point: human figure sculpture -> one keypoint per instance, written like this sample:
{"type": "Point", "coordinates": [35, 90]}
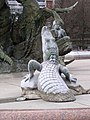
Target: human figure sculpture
{"type": "Point", "coordinates": [62, 40]}
{"type": "Point", "coordinates": [58, 29]}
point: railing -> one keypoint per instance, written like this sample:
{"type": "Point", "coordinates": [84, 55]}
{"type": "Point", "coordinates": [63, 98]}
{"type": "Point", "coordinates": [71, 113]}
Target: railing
{"type": "Point", "coordinates": [81, 44]}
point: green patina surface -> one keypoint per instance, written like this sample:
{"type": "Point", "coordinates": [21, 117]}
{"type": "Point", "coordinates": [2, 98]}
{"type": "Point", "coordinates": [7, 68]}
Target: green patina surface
{"type": "Point", "coordinates": [24, 34]}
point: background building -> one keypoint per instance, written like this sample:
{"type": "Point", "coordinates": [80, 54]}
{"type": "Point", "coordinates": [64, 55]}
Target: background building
{"type": "Point", "coordinates": [15, 7]}
{"type": "Point", "coordinates": [46, 3]}
{"type": "Point", "coordinates": [42, 3]}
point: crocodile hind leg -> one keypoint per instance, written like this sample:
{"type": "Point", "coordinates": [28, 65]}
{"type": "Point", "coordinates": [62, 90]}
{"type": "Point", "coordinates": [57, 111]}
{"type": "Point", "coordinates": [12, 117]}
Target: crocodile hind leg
{"type": "Point", "coordinates": [29, 82]}
{"type": "Point", "coordinates": [79, 90]}
{"type": "Point", "coordinates": [76, 88]}
{"type": "Point", "coordinates": [32, 66]}
{"type": "Point", "coordinates": [31, 79]}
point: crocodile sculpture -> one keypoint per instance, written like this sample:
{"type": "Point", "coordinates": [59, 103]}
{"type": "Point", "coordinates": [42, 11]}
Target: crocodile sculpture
{"type": "Point", "coordinates": [49, 80]}
{"type": "Point", "coordinates": [48, 83]}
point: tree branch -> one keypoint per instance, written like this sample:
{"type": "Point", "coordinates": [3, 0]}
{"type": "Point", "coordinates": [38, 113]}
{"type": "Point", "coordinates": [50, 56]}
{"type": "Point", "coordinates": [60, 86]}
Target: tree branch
{"type": "Point", "coordinates": [63, 10]}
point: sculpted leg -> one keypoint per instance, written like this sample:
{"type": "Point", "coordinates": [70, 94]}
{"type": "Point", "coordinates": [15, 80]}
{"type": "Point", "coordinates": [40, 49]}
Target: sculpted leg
{"type": "Point", "coordinates": [67, 74]}
{"type": "Point", "coordinates": [31, 79]}
{"type": "Point", "coordinates": [32, 66]}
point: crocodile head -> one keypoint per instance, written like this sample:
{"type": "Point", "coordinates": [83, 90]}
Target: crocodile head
{"type": "Point", "coordinates": [49, 45]}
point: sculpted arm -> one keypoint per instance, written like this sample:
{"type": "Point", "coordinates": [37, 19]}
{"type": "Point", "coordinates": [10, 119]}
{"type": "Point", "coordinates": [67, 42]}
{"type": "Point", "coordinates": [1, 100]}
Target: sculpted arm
{"type": "Point", "coordinates": [62, 10]}
{"type": "Point", "coordinates": [5, 57]}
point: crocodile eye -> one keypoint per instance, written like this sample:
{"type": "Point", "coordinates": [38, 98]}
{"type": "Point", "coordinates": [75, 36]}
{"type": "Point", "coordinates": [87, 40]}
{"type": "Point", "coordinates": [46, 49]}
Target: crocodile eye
{"type": "Point", "coordinates": [47, 40]}
{"type": "Point", "coordinates": [48, 48]}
